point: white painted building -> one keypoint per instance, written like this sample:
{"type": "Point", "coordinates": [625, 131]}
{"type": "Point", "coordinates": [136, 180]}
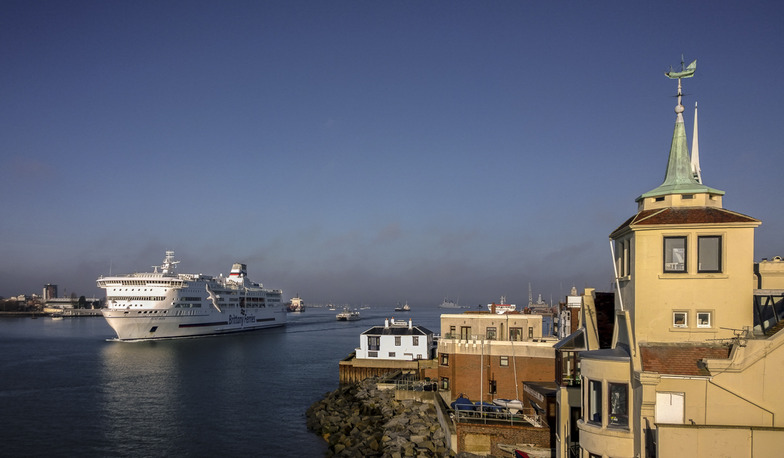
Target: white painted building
{"type": "Point", "coordinates": [396, 340]}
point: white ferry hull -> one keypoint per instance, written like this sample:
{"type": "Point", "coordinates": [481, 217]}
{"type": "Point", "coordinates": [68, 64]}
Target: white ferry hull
{"type": "Point", "coordinates": [129, 327]}
{"type": "Point", "coordinates": [167, 305]}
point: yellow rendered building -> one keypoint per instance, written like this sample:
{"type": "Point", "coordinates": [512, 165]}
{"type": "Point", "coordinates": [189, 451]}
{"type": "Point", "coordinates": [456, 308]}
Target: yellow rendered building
{"type": "Point", "coordinates": [697, 359]}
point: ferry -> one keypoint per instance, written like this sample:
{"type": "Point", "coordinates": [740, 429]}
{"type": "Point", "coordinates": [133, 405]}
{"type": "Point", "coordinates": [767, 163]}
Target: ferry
{"type": "Point", "coordinates": [347, 315]}
{"type": "Point", "coordinates": [164, 304]}
{"type": "Point", "coordinates": [501, 308]}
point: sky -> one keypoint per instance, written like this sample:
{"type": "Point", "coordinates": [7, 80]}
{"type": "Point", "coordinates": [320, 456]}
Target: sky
{"type": "Point", "coordinates": [370, 152]}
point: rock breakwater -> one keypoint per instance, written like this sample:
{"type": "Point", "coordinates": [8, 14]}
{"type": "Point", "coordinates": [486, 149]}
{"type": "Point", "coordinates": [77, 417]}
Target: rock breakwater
{"type": "Point", "coordinates": [362, 420]}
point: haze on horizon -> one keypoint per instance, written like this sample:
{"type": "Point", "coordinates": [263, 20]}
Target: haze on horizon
{"type": "Point", "coordinates": [369, 152]}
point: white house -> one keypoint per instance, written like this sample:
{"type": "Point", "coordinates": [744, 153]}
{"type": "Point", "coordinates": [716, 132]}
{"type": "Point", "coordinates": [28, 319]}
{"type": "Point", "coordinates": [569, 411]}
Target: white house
{"type": "Point", "coordinates": [396, 340]}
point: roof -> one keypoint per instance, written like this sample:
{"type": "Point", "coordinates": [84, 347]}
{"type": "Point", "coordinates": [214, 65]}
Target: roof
{"type": "Point", "coordinates": [679, 178]}
{"type": "Point", "coordinates": [398, 331]}
{"type": "Point", "coordinates": [680, 359]}
{"type": "Point", "coordinates": [684, 215]}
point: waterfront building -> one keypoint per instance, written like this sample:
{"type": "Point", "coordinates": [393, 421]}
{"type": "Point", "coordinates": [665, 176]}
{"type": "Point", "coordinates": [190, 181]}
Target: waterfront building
{"type": "Point", "coordinates": [696, 356]}
{"type": "Point", "coordinates": [485, 355]}
{"type": "Point", "coordinates": [396, 340]}
{"type": "Point", "coordinates": [398, 346]}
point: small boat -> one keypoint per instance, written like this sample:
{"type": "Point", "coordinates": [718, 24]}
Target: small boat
{"type": "Point", "coordinates": [501, 308]}
{"type": "Point", "coordinates": [462, 403]}
{"type": "Point", "coordinates": [514, 405]}
{"type": "Point", "coordinates": [404, 308]}
{"type": "Point", "coordinates": [347, 315]}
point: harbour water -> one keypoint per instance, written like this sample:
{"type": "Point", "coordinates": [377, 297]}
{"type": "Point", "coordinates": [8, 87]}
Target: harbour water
{"type": "Point", "coordinates": [65, 390]}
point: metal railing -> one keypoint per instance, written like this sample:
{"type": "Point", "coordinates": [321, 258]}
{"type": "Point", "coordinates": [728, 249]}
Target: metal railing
{"type": "Point", "coordinates": [496, 415]}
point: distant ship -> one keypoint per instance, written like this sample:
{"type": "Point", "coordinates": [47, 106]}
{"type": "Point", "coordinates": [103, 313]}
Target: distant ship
{"type": "Point", "coordinates": [449, 304]}
{"type": "Point", "coordinates": [501, 308]}
{"type": "Point", "coordinates": [295, 305]}
{"type": "Point", "coordinates": [404, 308]}
{"type": "Point", "coordinates": [347, 315]}
{"type": "Point", "coordinates": [165, 304]}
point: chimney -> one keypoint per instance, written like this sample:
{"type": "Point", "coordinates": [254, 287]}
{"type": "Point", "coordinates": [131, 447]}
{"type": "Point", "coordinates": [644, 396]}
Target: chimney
{"type": "Point", "coordinates": [410, 325]}
{"type": "Point", "coordinates": [386, 323]}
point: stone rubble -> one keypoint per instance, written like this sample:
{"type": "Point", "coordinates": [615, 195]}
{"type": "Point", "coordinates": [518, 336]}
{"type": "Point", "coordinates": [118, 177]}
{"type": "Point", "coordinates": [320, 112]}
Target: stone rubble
{"type": "Point", "coordinates": [361, 420]}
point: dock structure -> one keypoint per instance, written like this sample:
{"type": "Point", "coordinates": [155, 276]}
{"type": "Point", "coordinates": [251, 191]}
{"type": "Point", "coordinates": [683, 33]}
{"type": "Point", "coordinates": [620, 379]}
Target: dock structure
{"type": "Point", "coordinates": [354, 370]}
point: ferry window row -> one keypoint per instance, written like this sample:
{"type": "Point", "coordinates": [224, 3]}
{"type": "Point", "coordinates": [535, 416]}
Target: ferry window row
{"type": "Point", "coordinates": [136, 298]}
{"type": "Point", "coordinates": [676, 254]}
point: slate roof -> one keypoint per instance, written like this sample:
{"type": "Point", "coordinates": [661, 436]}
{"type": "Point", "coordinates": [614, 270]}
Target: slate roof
{"type": "Point", "coordinates": [681, 359]}
{"type": "Point", "coordinates": [397, 331]}
{"type": "Point", "coordinates": [684, 215]}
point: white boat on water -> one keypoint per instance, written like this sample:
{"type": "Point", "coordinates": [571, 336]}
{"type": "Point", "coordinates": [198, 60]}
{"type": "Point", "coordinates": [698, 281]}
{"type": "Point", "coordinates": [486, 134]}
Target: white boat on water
{"type": "Point", "coordinates": [404, 308]}
{"type": "Point", "coordinates": [296, 305]}
{"type": "Point", "coordinates": [347, 315]}
{"type": "Point", "coordinates": [165, 304]}
{"type": "Point", "coordinates": [501, 308]}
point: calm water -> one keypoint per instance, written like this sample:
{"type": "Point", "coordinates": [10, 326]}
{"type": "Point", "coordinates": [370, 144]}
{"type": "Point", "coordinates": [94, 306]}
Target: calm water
{"type": "Point", "coordinates": [65, 390]}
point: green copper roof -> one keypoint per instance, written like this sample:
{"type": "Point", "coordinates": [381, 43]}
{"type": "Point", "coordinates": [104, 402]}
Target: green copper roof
{"type": "Point", "coordinates": [679, 178]}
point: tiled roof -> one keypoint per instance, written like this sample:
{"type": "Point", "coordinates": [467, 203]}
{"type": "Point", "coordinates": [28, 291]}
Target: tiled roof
{"type": "Point", "coordinates": [688, 215]}
{"type": "Point", "coordinates": [681, 359]}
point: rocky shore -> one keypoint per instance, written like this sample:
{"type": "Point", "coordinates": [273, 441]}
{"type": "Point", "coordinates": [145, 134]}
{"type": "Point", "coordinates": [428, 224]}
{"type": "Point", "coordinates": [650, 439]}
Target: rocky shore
{"type": "Point", "coordinates": [361, 420]}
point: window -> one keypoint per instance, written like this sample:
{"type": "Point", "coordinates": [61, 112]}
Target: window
{"type": "Point", "coordinates": [451, 332]}
{"type": "Point", "coordinates": [516, 334]}
{"type": "Point", "coordinates": [490, 333]}
{"type": "Point", "coordinates": [675, 254]}
{"type": "Point", "coordinates": [709, 253]}
{"type": "Point", "coordinates": [622, 257]}
{"type": "Point", "coordinates": [619, 404]}
{"type": "Point", "coordinates": [391, 354]}
{"type": "Point", "coordinates": [373, 354]}
{"type": "Point", "coordinates": [444, 359]}
{"type": "Point", "coordinates": [444, 383]}
{"type": "Point", "coordinates": [530, 333]}
{"type": "Point", "coordinates": [595, 401]}
{"type": "Point", "coordinates": [374, 343]}
{"type": "Point", "coordinates": [703, 319]}
{"type": "Point", "coordinates": [465, 332]}
{"type": "Point", "coordinates": [504, 361]}
{"type": "Point", "coordinates": [397, 341]}
{"type": "Point", "coordinates": [680, 320]}
{"type": "Point", "coordinates": [415, 340]}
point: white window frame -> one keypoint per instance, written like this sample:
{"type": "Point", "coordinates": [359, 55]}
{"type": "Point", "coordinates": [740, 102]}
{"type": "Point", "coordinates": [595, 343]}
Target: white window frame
{"type": "Point", "coordinates": [685, 319]}
{"type": "Point", "coordinates": [710, 319]}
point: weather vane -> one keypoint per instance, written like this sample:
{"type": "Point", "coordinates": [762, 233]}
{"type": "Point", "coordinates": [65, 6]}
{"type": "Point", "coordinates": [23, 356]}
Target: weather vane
{"type": "Point", "coordinates": [686, 72]}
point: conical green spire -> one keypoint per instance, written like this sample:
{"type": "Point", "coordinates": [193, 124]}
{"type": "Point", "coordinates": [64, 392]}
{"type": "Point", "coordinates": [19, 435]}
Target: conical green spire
{"type": "Point", "coordinates": [679, 178]}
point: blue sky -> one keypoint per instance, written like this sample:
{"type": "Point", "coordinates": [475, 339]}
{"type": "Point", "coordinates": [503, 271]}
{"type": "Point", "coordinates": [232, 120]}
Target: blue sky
{"type": "Point", "coordinates": [374, 152]}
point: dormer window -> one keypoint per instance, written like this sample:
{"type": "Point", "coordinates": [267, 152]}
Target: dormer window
{"type": "Point", "coordinates": [675, 254]}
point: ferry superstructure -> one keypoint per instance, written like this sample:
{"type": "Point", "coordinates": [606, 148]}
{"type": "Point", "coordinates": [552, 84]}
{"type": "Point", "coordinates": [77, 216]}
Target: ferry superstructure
{"type": "Point", "coordinates": [164, 304]}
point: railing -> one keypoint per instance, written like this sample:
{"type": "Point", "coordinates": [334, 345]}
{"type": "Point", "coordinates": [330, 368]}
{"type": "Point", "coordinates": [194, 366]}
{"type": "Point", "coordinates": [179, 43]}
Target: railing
{"type": "Point", "coordinates": [497, 415]}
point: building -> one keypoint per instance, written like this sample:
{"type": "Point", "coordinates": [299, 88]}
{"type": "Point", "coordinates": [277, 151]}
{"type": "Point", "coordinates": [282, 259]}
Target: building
{"type": "Point", "coordinates": [691, 369]}
{"type": "Point", "coordinates": [485, 355]}
{"type": "Point", "coordinates": [396, 340]}
{"type": "Point", "coordinates": [398, 346]}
